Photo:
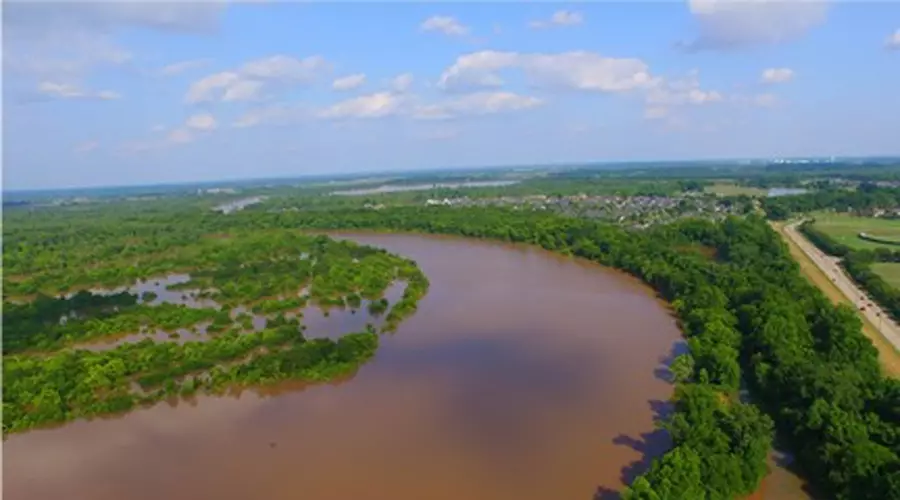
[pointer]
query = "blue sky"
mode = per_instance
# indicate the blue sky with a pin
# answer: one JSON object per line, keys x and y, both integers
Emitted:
{"x": 150, "y": 92}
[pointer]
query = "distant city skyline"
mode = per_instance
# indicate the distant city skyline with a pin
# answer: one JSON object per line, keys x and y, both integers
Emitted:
{"x": 135, "y": 93}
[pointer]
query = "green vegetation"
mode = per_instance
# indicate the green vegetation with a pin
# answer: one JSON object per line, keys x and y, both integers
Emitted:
{"x": 864, "y": 201}
{"x": 846, "y": 228}
{"x": 750, "y": 319}
{"x": 889, "y": 272}
{"x": 47, "y": 381}
{"x": 859, "y": 265}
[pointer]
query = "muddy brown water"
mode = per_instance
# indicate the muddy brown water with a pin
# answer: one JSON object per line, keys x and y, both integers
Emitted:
{"x": 523, "y": 375}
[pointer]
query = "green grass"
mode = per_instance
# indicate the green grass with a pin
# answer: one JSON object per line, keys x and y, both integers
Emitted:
{"x": 846, "y": 228}
{"x": 728, "y": 189}
{"x": 890, "y": 271}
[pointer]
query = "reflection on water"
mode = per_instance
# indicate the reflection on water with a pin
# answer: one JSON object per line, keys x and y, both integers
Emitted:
{"x": 523, "y": 376}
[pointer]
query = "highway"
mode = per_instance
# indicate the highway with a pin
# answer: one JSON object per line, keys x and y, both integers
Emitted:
{"x": 830, "y": 266}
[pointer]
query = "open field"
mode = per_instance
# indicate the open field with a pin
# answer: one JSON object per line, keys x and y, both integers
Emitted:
{"x": 729, "y": 189}
{"x": 887, "y": 354}
{"x": 845, "y": 229}
{"x": 889, "y": 271}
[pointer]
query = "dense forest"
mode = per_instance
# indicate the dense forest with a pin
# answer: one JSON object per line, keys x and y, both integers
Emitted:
{"x": 750, "y": 319}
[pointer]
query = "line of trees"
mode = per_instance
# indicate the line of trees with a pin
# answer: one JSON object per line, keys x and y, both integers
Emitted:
{"x": 863, "y": 200}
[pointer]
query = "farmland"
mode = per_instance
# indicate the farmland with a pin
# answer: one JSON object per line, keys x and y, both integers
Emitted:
{"x": 845, "y": 229}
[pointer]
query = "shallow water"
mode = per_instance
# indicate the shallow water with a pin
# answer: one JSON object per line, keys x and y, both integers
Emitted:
{"x": 523, "y": 375}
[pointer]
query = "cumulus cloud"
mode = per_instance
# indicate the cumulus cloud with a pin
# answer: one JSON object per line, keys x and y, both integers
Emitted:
{"x": 183, "y": 67}
{"x": 250, "y": 80}
{"x": 202, "y": 121}
{"x": 274, "y": 114}
{"x": 576, "y": 70}
{"x": 383, "y": 104}
{"x": 730, "y": 24}
{"x": 349, "y": 82}
{"x": 559, "y": 18}
{"x": 892, "y": 42}
{"x": 444, "y": 24}
{"x": 680, "y": 92}
{"x": 367, "y": 106}
{"x": 54, "y": 90}
{"x": 478, "y": 103}
{"x": 185, "y": 17}
{"x": 777, "y": 75}
{"x": 401, "y": 83}
{"x": 64, "y": 41}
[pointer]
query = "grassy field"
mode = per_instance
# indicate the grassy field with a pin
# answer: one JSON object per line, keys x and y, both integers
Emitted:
{"x": 728, "y": 189}
{"x": 846, "y": 228}
{"x": 890, "y": 271}
{"x": 889, "y": 357}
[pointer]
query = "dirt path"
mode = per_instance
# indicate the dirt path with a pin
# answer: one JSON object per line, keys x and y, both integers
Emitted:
{"x": 825, "y": 272}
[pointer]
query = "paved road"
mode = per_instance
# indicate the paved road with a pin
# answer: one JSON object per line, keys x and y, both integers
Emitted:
{"x": 831, "y": 268}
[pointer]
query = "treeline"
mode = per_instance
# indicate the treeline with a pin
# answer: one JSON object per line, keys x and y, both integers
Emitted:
{"x": 807, "y": 363}
{"x": 865, "y": 199}
{"x": 858, "y": 264}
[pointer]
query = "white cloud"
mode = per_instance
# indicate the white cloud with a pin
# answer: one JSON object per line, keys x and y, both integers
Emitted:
{"x": 349, "y": 82}
{"x": 777, "y": 75}
{"x": 892, "y": 42}
{"x": 55, "y": 90}
{"x": 242, "y": 90}
{"x": 368, "y": 106}
{"x": 65, "y": 41}
{"x": 478, "y": 103}
{"x": 559, "y": 18}
{"x": 106, "y": 16}
{"x": 728, "y": 24}
{"x": 576, "y": 70}
{"x": 253, "y": 78}
{"x": 182, "y": 67}
{"x": 61, "y": 55}
{"x": 202, "y": 121}
{"x": 444, "y": 24}
{"x": 680, "y": 92}
{"x": 274, "y": 114}
{"x": 86, "y": 147}
{"x": 401, "y": 83}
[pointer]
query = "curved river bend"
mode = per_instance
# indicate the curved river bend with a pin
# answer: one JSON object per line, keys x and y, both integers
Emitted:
{"x": 523, "y": 375}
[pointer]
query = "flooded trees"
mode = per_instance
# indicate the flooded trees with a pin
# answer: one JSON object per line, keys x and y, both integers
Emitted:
{"x": 269, "y": 271}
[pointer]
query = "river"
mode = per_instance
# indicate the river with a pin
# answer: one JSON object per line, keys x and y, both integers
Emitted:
{"x": 523, "y": 375}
